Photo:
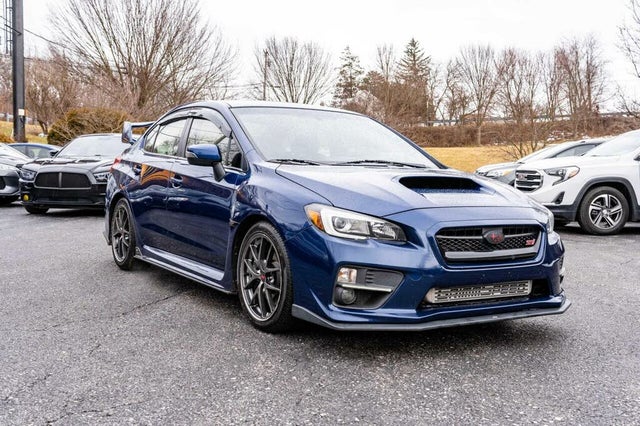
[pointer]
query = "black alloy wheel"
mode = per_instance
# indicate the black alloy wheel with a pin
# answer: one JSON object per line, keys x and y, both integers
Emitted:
{"x": 264, "y": 279}
{"x": 123, "y": 238}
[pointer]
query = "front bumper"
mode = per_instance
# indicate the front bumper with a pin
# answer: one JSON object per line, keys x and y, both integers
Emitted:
{"x": 9, "y": 187}
{"x": 316, "y": 259}
{"x": 92, "y": 197}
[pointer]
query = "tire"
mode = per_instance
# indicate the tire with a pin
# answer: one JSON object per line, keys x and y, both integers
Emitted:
{"x": 264, "y": 279}
{"x": 36, "y": 209}
{"x": 5, "y": 201}
{"x": 603, "y": 211}
{"x": 122, "y": 235}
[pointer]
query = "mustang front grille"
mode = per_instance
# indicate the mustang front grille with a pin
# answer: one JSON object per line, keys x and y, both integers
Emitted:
{"x": 62, "y": 180}
{"x": 491, "y": 243}
{"x": 478, "y": 292}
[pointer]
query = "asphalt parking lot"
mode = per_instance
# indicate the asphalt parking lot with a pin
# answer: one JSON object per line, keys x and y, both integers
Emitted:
{"x": 84, "y": 343}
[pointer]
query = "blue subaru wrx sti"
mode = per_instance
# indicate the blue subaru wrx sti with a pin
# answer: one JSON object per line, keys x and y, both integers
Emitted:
{"x": 330, "y": 217}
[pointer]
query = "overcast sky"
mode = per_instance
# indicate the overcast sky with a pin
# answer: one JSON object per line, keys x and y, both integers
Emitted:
{"x": 441, "y": 27}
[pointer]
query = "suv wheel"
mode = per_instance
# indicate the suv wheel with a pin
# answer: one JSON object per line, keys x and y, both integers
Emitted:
{"x": 603, "y": 211}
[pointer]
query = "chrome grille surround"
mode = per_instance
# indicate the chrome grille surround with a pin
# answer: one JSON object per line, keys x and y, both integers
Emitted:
{"x": 468, "y": 244}
{"x": 528, "y": 180}
{"x": 468, "y": 293}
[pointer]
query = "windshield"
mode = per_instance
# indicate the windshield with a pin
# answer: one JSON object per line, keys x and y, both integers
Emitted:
{"x": 626, "y": 143}
{"x": 306, "y": 136}
{"x": 93, "y": 146}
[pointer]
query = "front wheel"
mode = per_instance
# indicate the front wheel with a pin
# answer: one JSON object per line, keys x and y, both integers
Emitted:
{"x": 603, "y": 211}
{"x": 264, "y": 279}
{"x": 123, "y": 237}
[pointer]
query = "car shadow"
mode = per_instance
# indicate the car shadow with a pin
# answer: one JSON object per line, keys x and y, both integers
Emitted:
{"x": 631, "y": 228}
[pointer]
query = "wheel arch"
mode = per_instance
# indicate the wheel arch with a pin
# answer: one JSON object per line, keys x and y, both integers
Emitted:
{"x": 112, "y": 205}
{"x": 622, "y": 185}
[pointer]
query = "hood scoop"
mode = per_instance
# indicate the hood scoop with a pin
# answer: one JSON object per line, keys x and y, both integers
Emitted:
{"x": 441, "y": 184}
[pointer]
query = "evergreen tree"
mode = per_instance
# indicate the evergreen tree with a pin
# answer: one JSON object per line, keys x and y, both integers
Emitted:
{"x": 349, "y": 79}
{"x": 415, "y": 65}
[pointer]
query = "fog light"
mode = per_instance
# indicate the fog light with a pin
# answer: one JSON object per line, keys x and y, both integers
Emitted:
{"x": 346, "y": 296}
{"x": 347, "y": 275}
{"x": 26, "y": 197}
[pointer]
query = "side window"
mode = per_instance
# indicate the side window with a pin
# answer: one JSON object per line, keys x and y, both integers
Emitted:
{"x": 205, "y": 132}
{"x": 568, "y": 153}
{"x": 165, "y": 138}
{"x": 583, "y": 148}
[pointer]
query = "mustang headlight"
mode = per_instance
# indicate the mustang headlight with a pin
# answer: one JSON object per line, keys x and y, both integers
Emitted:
{"x": 564, "y": 173}
{"x": 101, "y": 177}
{"x": 499, "y": 173}
{"x": 28, "y": 175}
{"x": 348, "y": 224}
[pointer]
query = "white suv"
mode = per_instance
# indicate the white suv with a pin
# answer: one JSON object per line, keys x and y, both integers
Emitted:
{"x": 600, "y": 189}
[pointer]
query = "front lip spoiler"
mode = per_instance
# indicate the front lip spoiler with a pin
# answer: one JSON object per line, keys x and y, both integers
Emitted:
{"x": 305, "y": 314}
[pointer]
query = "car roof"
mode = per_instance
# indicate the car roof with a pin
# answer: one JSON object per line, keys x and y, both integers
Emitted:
{"x": 230, "y": 104}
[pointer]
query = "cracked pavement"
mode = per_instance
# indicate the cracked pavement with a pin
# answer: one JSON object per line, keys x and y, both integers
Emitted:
{"x": 82, "y": 342}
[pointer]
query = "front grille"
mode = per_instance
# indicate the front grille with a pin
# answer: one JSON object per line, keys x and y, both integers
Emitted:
{"x": 62, "y": 180}
{"x": 470, "y": 245}
{"x": 528, "y": 180}
{"x": 478, "y": 292}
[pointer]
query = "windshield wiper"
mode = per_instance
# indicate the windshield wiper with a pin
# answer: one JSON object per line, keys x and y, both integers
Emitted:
{"x": 294, "y": 161}
{"x": 383, "y": 162}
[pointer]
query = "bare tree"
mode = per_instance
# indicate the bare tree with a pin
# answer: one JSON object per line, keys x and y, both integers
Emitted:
{"x": 155, "y": 52}
{"x": 629, "y": 36}
{"x": 583, "y": 80}
{"x": 455, "y": 101}
{"x": 519, "y": 79}
{"x": 479, "y": 74}
{"x": 51, "y": 88}
{"x": 293, "y": 71}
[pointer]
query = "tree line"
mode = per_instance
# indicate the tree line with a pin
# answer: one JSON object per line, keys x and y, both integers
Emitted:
{"x": 143, "y": 57}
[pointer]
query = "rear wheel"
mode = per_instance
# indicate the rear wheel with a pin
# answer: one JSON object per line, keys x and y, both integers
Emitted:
{"x": 7, "y": 200}
{"x": 123, "y": 238}
{"x": 264, "y": 279}
{"x": 603, "y": 211}
{"x": 36, "y": 209}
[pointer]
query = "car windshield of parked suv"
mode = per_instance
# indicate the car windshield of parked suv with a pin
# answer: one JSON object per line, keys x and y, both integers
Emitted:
{"x": 620, "y": 145}
{"x": 536, "y": 154}
{"x": 325, "y": 137}
{"x": 93, "y": 146}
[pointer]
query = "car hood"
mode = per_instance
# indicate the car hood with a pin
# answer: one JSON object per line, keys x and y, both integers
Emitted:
{"x": 583, "y": 161}
{"x": 497, "y": 166}
{"x": 79, "y": 163}
{"x": 383, "y": 192}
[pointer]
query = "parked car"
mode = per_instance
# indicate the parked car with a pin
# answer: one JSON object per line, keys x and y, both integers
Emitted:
{"x": 506, "y": 172}
{"x": 75, "y": 177}
{"x": 330, "y": 217}
{"x": 600, "y": 189}
{"x": 35, "y": 150}
{"x": 10, "y": 162}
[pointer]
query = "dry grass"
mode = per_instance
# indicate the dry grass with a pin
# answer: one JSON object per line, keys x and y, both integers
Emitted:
{"x": 6, "y": 127}
{"x": 469, "y": 158}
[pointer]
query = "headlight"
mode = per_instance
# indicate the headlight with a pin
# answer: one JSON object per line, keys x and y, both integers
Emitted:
{"x": 27, "y": 174}
{"x": 551, "y": 221}
{"x": 101, "y": 177}
{"x": 564, "y": 173}
{"x": 348, "y": 224}
{"x": 499, "y": 173}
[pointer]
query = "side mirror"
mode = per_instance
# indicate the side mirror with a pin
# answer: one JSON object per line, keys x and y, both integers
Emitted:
{"x": 207, "y": 155}
{"x": 53, "y": 153}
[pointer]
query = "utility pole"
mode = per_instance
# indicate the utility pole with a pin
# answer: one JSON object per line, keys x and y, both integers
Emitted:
{"x": 264, "y": 75}
{"x": 19, "y": 115}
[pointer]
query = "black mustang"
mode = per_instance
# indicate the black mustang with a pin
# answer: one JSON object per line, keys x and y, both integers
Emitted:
{"x": 75, "y": 177}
